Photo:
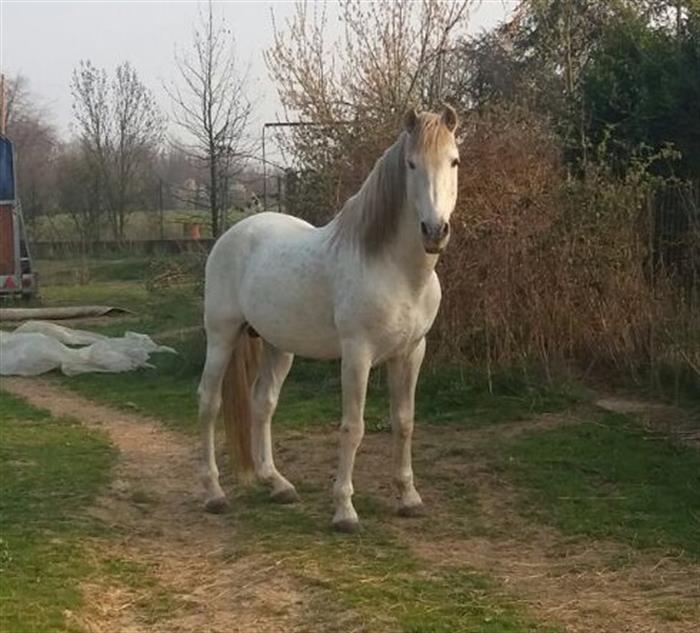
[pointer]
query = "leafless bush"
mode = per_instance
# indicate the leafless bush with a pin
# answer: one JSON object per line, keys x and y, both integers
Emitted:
{"x": 546, "y": 267}
{"x": 212, "y": 110}
{"x": 187, "y": 269}
{"x": 119, "y": 128}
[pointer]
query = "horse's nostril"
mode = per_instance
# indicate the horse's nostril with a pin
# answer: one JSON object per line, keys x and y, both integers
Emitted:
{"x": 445, "y": 229}
{"x": 424, "y": 228}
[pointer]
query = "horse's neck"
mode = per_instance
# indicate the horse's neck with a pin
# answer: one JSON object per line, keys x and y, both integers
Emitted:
{"x": 407, "y": 251}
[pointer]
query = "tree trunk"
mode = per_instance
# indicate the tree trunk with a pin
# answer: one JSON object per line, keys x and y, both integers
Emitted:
{"x": 213, "y": 197}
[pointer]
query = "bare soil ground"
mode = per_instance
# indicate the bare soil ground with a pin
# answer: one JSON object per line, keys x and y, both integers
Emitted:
{"x": 154, "y": 504}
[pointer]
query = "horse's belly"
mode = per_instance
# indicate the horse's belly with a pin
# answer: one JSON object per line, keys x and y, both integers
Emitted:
{"x": 288, "y": 303}
{"x": 318, "y": 345}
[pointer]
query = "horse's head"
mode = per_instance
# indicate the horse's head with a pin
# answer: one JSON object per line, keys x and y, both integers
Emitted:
{"x": 432, "y": 159}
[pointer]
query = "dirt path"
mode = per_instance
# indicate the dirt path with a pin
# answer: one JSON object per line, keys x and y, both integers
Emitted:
{"x": 667, "y": 419}
{"x": 154, "y": 503}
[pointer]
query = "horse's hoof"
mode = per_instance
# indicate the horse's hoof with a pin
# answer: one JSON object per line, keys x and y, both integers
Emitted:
{"x": 414, "y": 511}
{"x": 216, "y": 505}
{"x": 346, "y": 526}
{"x": 285, "y": 496}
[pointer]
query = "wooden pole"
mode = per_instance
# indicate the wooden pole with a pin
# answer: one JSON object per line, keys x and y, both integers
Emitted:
{"x": 160, "y": 209}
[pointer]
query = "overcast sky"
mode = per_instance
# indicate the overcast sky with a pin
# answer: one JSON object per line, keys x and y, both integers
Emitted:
{"x": 44, "y": 40}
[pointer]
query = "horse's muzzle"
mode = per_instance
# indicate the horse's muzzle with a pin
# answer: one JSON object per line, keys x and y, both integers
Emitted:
{"x": 435, "y": 236}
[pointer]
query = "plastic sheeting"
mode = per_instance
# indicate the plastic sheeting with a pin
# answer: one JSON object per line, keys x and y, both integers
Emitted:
{"x": 39, "y": 346}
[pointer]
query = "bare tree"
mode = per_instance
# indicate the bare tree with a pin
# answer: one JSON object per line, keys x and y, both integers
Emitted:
{"x": 79, "y": 192}
{"x": 211, "y": 108}
{"x": 37, "y": 145}
{"x": 120, "y": 128}
{"x": 389, "y": 56}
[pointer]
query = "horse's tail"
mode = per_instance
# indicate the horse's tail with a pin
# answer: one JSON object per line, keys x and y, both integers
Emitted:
{"x": 236, "y": 392}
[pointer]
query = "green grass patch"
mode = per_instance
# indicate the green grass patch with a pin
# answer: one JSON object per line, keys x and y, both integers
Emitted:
{"x": 121, "y": 294}
{"x": 311, "y": 396}
{"x": 89, "y": 270}
{"x": 611, "y": 479}
{"x": 140, "y": 225}
{"x": 371, "y": 573}
{"x": 50, "y": 471}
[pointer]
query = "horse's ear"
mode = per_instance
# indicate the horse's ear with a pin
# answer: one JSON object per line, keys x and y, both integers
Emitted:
{"x": 449, "y": 117}
{"x": 410, "y": 119}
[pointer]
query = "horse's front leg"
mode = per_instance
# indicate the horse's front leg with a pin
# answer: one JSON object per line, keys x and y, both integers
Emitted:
{"x": 355, "y": 367}
{"x": 403, "y": 375}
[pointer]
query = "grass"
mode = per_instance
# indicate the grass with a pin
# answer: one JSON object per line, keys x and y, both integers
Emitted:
{"x": 611, "y": 479}
{"x": 77, "y": 271}
{"x": 50, "y": 471}
{"x": 372, "y": 573}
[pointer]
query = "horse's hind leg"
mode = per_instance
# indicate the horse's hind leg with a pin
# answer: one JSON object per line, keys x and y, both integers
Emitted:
{"x": 274, "y": 368}
{"x": 220, "y": 344}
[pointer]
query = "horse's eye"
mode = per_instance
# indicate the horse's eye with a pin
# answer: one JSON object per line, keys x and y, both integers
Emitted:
{"x": 455, "y": 162}
{"x": 411, "y": 164}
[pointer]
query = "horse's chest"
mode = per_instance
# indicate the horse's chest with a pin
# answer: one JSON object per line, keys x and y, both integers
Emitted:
{"x": 394, "y": 319}
{"x": 407, "y": 325}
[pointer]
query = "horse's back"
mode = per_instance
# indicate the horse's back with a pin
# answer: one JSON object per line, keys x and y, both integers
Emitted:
{"x": 253, "y": 231}
{"x": 235, "y": 247}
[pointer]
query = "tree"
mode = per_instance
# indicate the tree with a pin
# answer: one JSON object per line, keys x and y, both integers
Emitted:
{"x": 212, "y": 110}
{"x": 390, "y": 55}
{"x": 79, "y": 192}
{"x": 595, "y": 69}
{"x": 642, "y": 88}
{"x": 37, "y": 146}
{"x": 120, "y": 128}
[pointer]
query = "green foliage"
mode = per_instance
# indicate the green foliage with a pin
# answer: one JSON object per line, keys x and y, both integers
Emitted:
{"x": 642, "y": 87}
{"x": 611, "y": 479}
{"x": 50, "y": 471}
{"x": 626, "y": 71}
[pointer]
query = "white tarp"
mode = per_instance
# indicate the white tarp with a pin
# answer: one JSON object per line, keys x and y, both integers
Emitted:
{"x": 39, "y": 346}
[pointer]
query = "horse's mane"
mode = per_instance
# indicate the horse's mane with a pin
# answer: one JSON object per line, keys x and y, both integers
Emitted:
{"x": 370, "y": 218}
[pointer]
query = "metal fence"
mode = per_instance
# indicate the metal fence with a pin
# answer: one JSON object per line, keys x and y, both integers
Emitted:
{"x": 675, "y": 234}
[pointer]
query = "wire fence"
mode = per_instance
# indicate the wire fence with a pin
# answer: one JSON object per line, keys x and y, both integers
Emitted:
{"x": 675, "y": 236}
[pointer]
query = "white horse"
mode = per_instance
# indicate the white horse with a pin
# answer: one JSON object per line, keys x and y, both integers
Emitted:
{"x": 361, "y": 288}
